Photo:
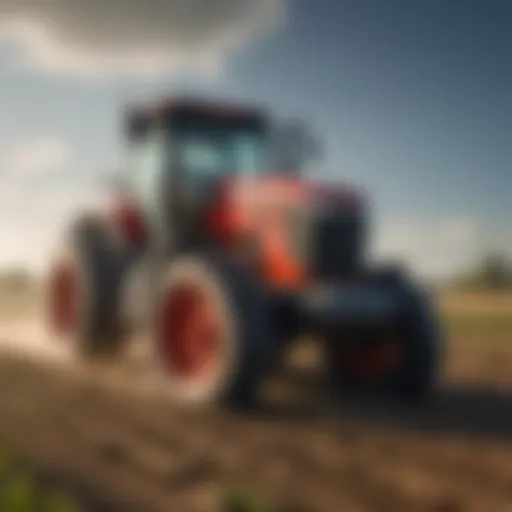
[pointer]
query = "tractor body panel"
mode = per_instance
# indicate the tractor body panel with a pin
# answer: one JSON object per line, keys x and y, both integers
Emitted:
{"x": 362, "y": 307}
{"x": 300, "y": 231}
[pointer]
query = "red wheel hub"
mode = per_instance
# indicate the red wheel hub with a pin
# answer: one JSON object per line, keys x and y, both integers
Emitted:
{"x": 190, "y": 334}
{"x": 63, "y": 299}
{"x": 373, "y": 361}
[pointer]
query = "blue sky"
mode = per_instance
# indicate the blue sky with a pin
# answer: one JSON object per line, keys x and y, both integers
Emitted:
{"x": 411, "y": 99}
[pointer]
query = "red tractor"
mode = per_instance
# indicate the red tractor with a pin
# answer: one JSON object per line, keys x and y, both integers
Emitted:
{"x": 223, "y": 261}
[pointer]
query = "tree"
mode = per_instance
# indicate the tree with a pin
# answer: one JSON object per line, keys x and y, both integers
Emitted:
{"x": 494, "y": 272}
{"x": 14, "y": 279}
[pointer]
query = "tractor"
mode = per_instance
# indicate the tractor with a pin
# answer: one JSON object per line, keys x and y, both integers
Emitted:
{"x": 222, "y": 259}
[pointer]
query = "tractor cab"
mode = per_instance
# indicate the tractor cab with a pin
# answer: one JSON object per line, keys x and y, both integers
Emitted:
{"x": 179, "y": 153}
{"x": 206, "y": 174}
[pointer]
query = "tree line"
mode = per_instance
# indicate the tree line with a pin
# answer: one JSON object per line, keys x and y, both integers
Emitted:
{"x": 492, "y": 273}
{"x": 14, "y": 279}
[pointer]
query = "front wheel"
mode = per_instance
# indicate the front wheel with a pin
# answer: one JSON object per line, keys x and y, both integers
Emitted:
{"x": 416, "y": 378}
{"x": 403, "y": 363}
{"x": 214, "y": 337}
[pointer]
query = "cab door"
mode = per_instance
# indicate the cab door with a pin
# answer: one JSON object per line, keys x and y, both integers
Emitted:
{"x": 148, "y": 168}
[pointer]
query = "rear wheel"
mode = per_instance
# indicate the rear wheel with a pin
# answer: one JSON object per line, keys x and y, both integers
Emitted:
{"x": 213, "y": 332}
{"x": 82, "y": 293}
{"x": 63, "y": 303}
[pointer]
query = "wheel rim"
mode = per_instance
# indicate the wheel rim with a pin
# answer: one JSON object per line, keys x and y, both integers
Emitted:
{"x": 370, "y": 363}
{"x": 63, "y": 299}
{"x": 190, "y": 333}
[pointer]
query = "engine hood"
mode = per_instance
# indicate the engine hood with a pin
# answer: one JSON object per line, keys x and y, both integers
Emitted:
{"x": 278, "y": 216}
{"x": 280, "y": 190}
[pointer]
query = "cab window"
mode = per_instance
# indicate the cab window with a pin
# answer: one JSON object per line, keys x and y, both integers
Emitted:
{"x": 147, "y": 160}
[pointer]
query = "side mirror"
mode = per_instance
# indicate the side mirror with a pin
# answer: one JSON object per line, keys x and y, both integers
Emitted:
{"x": 295, "y": 146}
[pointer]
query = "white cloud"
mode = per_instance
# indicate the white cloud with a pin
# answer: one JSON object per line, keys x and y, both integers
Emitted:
{"x": 434, "y": 249}
{"x": 21, "y": 168}
{"x": 34, "y": 210}
{"x": 32, "y": 220}
{"x": 34, "y": 158}
{"x": 133, "y": 36}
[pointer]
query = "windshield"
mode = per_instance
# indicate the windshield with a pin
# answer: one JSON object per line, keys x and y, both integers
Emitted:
{"x": 210, "y": 154}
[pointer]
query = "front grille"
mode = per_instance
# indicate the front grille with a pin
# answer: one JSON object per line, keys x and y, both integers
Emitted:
{"x": 328, "y": 243}
{"x": 337, "y": 248}
{"x": 299, "y": 233}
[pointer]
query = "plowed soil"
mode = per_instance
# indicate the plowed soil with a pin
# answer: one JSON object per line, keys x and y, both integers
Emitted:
{"x": 111, "y": 434}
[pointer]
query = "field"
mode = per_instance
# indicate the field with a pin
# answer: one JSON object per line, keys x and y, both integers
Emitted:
{"x": 105, "y": 433}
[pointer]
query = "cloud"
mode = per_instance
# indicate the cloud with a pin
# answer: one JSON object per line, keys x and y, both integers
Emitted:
{"x": 33, "y": 219}
{"x": 26, "y": 170}
{"x": 132, "y": 36}
{"x": 34, "y": 158}
{"x": 36, "y": 199}
{"x": 434, "y": 249}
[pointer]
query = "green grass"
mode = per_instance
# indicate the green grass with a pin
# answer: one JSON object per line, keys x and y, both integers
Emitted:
{"x": 244, "y": 499}
{"x": 486, "y": 315}
{"x": 486, "y": 325}
{"x": 20, "y": 491}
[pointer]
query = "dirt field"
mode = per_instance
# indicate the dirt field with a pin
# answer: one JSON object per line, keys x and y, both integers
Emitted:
{"x": 107, "y": 432}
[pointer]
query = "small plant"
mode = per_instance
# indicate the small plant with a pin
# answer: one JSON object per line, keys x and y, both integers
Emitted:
{"x": 6, "y": 461}
{"x": 58, "y": 501}
{"x": 243, "y": 499}
{"x": 18, "y": 494}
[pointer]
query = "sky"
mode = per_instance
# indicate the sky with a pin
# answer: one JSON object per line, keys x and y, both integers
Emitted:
{"x": 410, "y": 99}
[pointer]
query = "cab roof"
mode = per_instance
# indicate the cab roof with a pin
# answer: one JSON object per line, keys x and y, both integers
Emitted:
{"x": 176, "y": 108}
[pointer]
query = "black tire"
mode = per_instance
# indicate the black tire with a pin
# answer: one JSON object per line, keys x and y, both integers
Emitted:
{"x": 91, "y": 250}
{"x": 416, "y": 379}
{"x": 249, "y": 338}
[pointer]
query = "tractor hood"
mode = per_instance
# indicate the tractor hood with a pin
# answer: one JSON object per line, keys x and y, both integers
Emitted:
{"x": 302, "y": 227}
{"x": 281, "y": 190}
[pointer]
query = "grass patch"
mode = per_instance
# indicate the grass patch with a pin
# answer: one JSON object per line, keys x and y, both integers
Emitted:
{"x": 488, "y": 325}
{"x": 22, "y": 491}
{"x": 244, "y": 499}
{"x": 483, "y": 314}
